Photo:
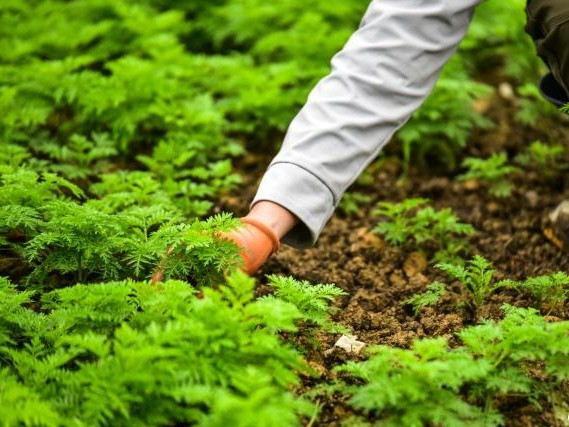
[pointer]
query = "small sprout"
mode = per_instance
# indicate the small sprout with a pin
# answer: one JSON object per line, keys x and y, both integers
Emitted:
{"x": 547, "y": 159}
{"x": 494, "y": 171}
{"x": 550, "y": 290}
{"x": 477, "y": 278}
{"x": 350, "y": 203}
{"x": 411, "y": 221}
{"x": 435, "y": 291}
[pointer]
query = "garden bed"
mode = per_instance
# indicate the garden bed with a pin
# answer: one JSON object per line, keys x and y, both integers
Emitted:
{"x": 380, "y": 278}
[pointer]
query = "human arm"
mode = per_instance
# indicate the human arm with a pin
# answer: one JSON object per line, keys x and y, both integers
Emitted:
{"x": 382, "y": 75}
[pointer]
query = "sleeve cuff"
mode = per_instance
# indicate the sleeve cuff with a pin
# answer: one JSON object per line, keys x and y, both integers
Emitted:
{"x": 302, "y": 193}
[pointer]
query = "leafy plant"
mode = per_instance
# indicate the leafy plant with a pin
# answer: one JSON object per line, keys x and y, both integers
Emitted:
{"x": 533, "y": 107}
{"x": 313, "y": 301}
{"x": 350, "y": 203}
{"x": 527, "y": 354}
{"x": 477, "y": 278}
{"x": 128, "y": 352}
{"x": 550, "y": 290}
{"x": 434, "y": 384}
{"x": 493, "y": 171}
{"x": 409, "y": 221}
{"x": 79, "y": 157}
{"x": 444, "y": 122}
{"x": 75, "y": 239}
{"x": 435, "y": 291}
{"x": 543, "y": 158}
{"x": 418, "y": 386}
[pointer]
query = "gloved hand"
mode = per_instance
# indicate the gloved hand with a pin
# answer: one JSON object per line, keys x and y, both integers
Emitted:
{"x": 256, "y": 242}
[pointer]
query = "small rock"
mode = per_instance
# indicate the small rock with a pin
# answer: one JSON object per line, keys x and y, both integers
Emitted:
{"x": 420, "y": 279}
{"x": 368, "y": 239}
{"x": 532, "y": 197}
{"x": 396, "y": 279}
{"x": 561, "y": 211}
{"x": 506, "y": 90}
{"x": 481, "y": 105}
{"x": 493, "y": 207}
{"x": 414, "y": 264}
{"x": 350, "y": 344}
{"x": 560, "y": 224}
{"x": 471, "y": 185}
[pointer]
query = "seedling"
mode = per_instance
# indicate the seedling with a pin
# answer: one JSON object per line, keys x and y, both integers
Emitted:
{"x": 350, "y": 203}
{"x": 435, "y": 291}
{"x": 80, "y": 157}
{"x": 527, "y": 353}
{"x": 543, "y": 158}
{"x": 312, "y": 300}
{"x": 412, "y": 221}
{"x": 549, "y": 290}
{"x": 533, "y": 108}
{"x": 477, "y": 278}
{"x": 493, "y": 171}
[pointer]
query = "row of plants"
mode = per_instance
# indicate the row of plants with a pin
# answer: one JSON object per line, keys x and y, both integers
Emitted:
{"x": 197, "y": 77}
{"x": 130, "y": 353}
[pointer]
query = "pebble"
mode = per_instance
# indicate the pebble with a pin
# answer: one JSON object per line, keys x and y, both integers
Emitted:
{"x": 532, "y": 198}
{"x": 414, "y": 264}
{"x": 471, "y": 185}
{"x": 506, "y": 90}
{"x": 350, "y": 344}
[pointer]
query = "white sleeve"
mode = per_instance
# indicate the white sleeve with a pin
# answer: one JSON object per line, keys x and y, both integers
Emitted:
{"x": 381, "y": 76}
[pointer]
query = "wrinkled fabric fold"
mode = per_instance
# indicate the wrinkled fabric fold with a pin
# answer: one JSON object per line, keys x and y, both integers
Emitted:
{"x": 381, "y": 76}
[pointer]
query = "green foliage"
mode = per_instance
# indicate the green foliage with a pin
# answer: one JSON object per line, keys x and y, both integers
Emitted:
{"x": 493, "y": 171}
{"x": 477, "y": 278}
{"x": 313, "y": 301}
{"x": 507, "y": 43}
{"x": 118, "y": 124}
{"x": 409, "y": 221}
{"x": 79, "y": 157}
{"x": 533, "y": 107}
{"x": 439, "y": 130}
{"x": 543, "y": 158}
{"x": 350, "y": 203}
{"x": 126, "y": 352}
{"x": 435, "y": 291}
{"x": 57, "y": 237}
{"x": 442, "y": 125}
{"x": 521, "y": 348}
{"x": 417, "y": 387}
{"x": 433, "y": 384}
{"x": 550, "y": 290}
{"x": 74, "y": 239}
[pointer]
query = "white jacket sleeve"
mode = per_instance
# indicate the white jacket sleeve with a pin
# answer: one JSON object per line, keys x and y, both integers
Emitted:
{"x": 381, "y": 76}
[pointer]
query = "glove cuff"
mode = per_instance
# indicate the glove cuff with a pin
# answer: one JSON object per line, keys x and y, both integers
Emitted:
{"x": 266, "y": 230}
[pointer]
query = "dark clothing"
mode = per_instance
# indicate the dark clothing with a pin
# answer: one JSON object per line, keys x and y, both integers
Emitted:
{"x": 548, "y": 25}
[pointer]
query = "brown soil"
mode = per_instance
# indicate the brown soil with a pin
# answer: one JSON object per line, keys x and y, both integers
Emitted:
{"x": 380, "y": 278}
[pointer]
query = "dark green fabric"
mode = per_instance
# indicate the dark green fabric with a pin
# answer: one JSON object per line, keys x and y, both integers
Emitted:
{"x": 548, "y": 25}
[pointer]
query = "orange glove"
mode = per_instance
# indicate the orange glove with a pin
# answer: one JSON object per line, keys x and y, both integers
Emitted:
{"x": 256, "y": 242}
